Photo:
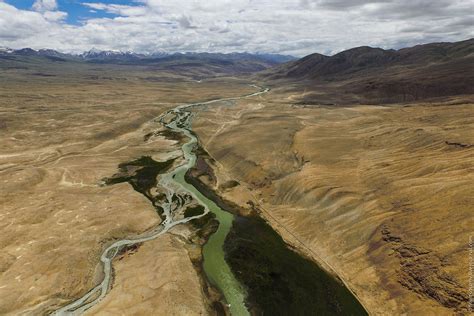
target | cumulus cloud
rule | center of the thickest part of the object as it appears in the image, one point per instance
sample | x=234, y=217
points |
x=45, y=5
x=55, y=16
x=185, y=22
x=292, y=27
x=118, y=9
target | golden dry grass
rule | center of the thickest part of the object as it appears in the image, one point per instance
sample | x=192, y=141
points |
x=383, y=196
x=158, y=279
x=60, y=136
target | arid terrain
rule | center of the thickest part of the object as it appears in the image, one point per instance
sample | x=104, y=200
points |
x=376, y=188
x=380, y=195
x=61, y=135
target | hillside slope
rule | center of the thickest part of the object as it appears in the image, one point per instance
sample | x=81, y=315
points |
x=382, y=195
x=374, y=75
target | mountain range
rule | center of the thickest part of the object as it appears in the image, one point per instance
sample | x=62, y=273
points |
x=129, y=57
x=49, y=62
x=361, y=75
x=374, y=75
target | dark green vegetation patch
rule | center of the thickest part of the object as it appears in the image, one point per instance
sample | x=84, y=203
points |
x=194, y=211
x=279, y=281
x=205, y=226
x=142, y=175
x=166, y=133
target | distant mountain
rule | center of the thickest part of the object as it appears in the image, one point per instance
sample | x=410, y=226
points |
x=367, y=74
x=302, y=67
x=367, y=58
x=130, y=57
x=270, y=58
x=94, y=54
x=194, y=64
x=25, y=52
x=277, y=58
x=197, y=65
x=51, y=52
x=6, y=50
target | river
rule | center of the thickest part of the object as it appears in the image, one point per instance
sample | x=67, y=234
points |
x=279, y=280
x=173, y=181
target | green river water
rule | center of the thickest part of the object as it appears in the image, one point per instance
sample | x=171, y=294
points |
x=216, y=268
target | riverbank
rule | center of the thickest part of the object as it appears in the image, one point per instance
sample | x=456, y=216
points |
x=347, y=187
x=278, y=280
x=262, y=272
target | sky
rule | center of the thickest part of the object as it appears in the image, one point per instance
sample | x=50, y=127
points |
x=293, y=27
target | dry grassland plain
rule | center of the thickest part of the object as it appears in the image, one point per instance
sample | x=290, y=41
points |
x=61, y=134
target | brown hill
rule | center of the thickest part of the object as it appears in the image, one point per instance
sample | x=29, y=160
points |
x=374, y=75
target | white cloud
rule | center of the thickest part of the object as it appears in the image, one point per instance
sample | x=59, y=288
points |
x=55, y=16
x=123, y=10
x=298, y=27
x=45, y=5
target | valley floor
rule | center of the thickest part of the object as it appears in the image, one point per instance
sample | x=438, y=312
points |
x=379, y=195
x=59, y=139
